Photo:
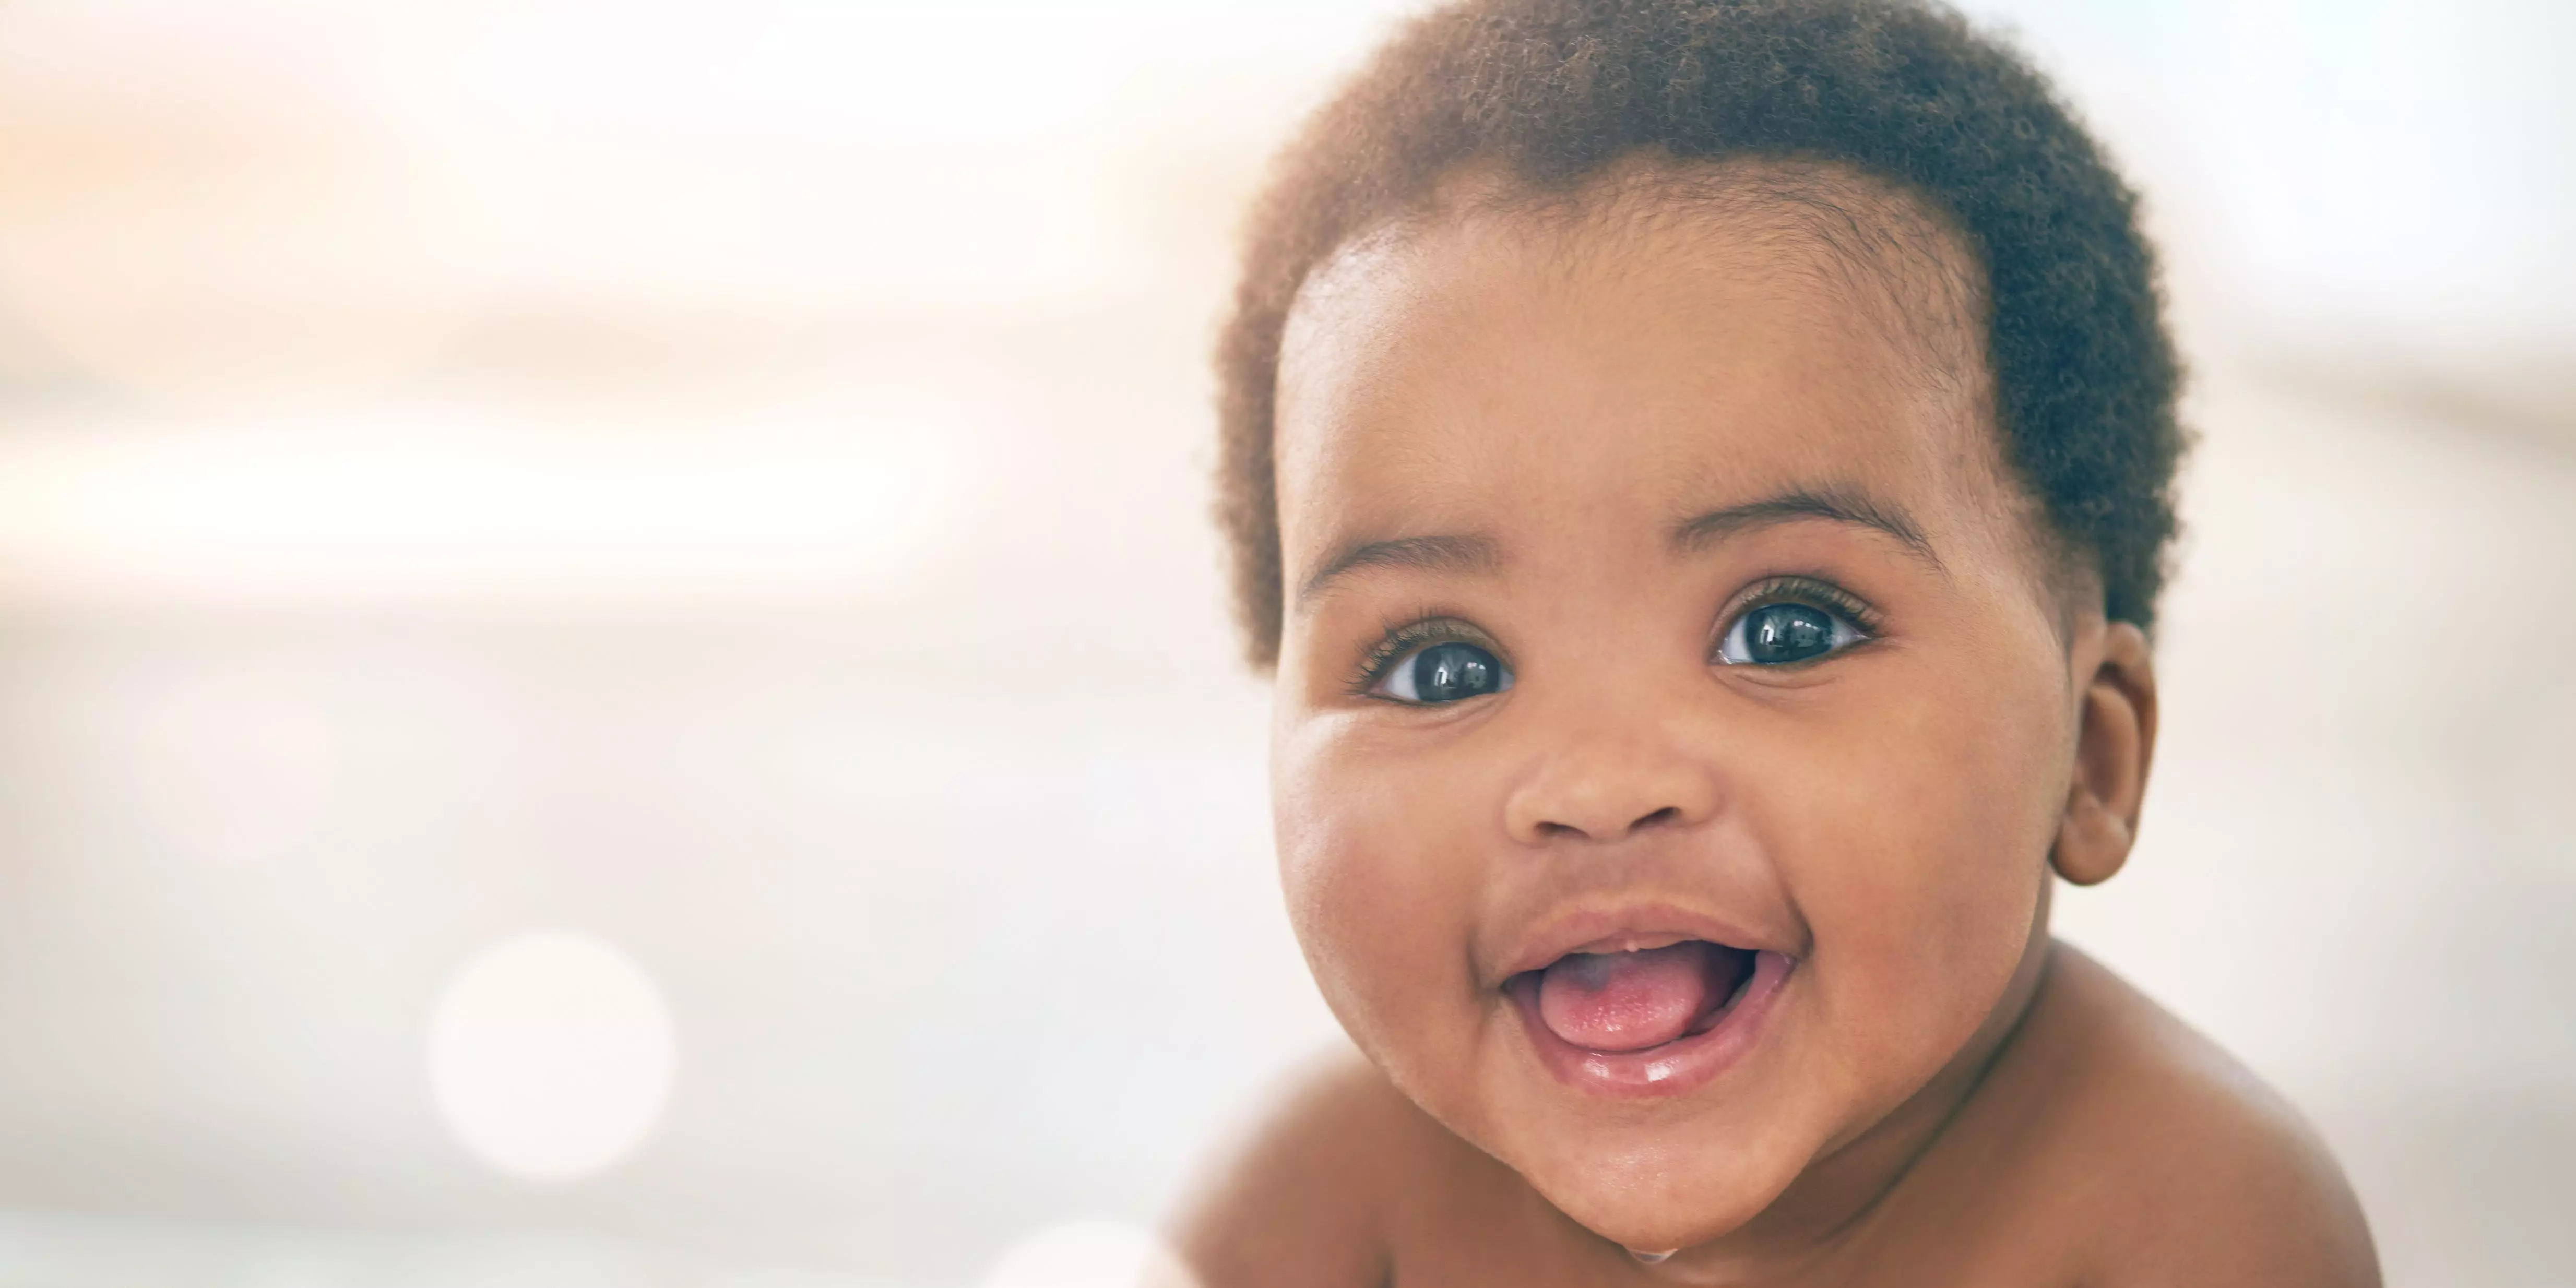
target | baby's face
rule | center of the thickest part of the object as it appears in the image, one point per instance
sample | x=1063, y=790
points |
x=1672, y=722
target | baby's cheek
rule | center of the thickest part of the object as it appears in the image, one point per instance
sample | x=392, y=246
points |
x=1920, y=875
x=1375, y=896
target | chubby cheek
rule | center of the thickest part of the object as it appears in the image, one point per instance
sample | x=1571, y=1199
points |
x=1921, y=849
x=1380, y=890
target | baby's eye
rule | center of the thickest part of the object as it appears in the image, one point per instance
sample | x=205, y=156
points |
x=1449, y=671
x=1778, y=634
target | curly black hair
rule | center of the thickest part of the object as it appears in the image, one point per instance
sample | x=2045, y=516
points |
x=1903, y=91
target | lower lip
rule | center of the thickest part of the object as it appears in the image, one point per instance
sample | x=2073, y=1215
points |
x=1681, y=1065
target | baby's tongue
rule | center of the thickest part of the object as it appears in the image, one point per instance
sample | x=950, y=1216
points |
x=1626, y=1001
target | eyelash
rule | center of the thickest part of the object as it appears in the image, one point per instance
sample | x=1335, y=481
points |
x=1799, y=589
x=1402, y=639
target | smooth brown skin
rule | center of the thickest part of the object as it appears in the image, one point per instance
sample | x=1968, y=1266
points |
x=1941, y=1095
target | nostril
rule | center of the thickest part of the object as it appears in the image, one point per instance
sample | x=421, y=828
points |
x=1668, y=814
x=1547, y=828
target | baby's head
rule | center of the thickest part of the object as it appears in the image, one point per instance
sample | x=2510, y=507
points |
x=1700, y=471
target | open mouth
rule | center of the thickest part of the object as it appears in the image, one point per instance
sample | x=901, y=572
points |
x=1646, y=1019
x=1632, y=1001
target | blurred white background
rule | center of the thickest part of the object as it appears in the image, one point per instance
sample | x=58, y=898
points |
x=611, y=672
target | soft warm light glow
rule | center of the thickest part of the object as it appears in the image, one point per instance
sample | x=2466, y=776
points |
x=550, y=1056
x=405, y=509
x=222, y=203
x=777, y=148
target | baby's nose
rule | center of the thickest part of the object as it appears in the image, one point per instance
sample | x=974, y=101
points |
x=1608, y=789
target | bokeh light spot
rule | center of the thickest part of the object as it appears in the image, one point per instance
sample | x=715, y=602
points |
x=1089, y=1254
x=551, y=1056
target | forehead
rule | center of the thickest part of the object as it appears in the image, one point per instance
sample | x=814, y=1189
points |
x=1496, y=366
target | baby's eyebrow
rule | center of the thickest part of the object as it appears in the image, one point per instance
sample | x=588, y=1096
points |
x=1838, y=504
x=1472, y=554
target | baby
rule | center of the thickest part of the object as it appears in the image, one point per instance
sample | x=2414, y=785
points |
x=1701, y=471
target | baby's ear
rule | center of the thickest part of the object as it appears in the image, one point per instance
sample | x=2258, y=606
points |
x=2112, y=748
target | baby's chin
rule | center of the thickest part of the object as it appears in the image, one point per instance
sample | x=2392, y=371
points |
x=1656, y=1191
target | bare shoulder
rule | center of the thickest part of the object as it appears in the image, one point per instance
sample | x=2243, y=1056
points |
x=2178, y=1164
x=1305, y=1196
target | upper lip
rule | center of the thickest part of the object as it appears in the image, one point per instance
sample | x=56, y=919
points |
x=1623, y=928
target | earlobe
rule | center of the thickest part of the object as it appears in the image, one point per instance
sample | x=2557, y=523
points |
x=2092, y=843
x=2114, y=744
